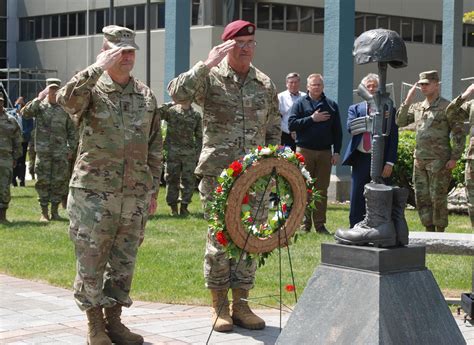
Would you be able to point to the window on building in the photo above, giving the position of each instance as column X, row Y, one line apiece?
column 248, row 10
column 439, row 33
column 3, row 63
column 407, row 29
column 370, row 22
column 99, row 21
column 31, row 29
column 292, row 17
column 140, row 15
column 3, row 9
column 382, row 22
column 3, row 28
column 318, row 21
column 55, row 26
column 395, row 24
column 119, row 16
column 72, row 24
column 130, row 17
column 161, row 16
column 81, row 23
column 38, row 28
column 195, row 8
column 3, row 48
column 47, row 27
column 63, row 25
column 263, row 16
column 278, row 17
column 306, row 19
column 469, row 35
column 418, row 30
column 359, row 24
column 429, row 31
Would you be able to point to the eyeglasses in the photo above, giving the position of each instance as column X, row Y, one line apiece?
column 248, row 44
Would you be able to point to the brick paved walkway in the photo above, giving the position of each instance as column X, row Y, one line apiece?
column 37, row 313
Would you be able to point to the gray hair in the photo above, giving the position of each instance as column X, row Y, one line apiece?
column 314, row 76
column 370, row 77
column 293, row 75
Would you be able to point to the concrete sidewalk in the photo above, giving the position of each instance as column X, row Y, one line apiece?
column 37, row 313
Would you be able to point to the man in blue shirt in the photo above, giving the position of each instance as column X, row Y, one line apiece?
column 316, row 121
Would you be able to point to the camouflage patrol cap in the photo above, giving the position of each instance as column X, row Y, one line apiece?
column 426, row 77
column 53, row 82
column 120, row 37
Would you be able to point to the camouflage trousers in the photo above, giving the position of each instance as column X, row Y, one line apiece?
column 52, row 178
column 105, row 229
column 469, row 176
column 431, row 181
column 6, row 174
column 179, row 175
column 220, row 272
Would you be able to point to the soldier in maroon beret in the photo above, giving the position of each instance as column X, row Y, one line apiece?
column 240, row 111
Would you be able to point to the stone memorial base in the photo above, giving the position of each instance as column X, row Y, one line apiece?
column 366, row 295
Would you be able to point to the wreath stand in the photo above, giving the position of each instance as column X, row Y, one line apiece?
column 281, row 237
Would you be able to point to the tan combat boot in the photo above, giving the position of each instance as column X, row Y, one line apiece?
column 117, row 331
column 44, row 214
column 3, row 216
column 174, row 210
column 220, row 311
column 54, row 212
column 183, row 211
column 96, row 334
column 241, row 313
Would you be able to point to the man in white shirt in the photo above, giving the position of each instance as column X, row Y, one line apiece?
column 286, row 100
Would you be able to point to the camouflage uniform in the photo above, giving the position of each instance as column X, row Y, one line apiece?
column 460, row 107
column 118, row 167
column 433, row 150
column 55, row 137
column 10, row 151
column 237, row 116
column 183, row 144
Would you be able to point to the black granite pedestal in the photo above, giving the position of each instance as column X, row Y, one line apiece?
column 365, row 295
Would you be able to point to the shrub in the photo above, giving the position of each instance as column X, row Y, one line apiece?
column 403, row 170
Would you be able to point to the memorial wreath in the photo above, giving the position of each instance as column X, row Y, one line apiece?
column 243, row 191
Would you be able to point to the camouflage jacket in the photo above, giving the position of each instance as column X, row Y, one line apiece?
column 433, row 129
column 120, row 139
column 237, row 116
column 10, row 140
column 459, row 107
column 55, row 133
column 183, row 131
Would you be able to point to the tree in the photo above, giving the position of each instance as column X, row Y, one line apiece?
column 468, row 17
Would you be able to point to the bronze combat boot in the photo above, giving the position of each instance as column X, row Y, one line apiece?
column 221, row 319
column 3, row 216
column 174, row 210
column 241, row 313
column 400, row 196
column 96, row 334
column 183, row 211
column 377, row 227
column 116, row 330
column 44, row 214
column 54, row 212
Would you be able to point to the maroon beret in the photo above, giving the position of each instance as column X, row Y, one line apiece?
column 238, row 28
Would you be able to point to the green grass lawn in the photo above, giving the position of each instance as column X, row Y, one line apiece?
column 170, row 261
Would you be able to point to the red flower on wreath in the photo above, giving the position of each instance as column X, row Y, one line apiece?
column 310, row 191
column 300, row 157
column 259, row 148
column 245, row 200
column 290, row 288
column 237, row 167
column 221, row 238
column 219, row 189
column 284, row 208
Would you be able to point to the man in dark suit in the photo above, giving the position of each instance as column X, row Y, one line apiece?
column 358, row 153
